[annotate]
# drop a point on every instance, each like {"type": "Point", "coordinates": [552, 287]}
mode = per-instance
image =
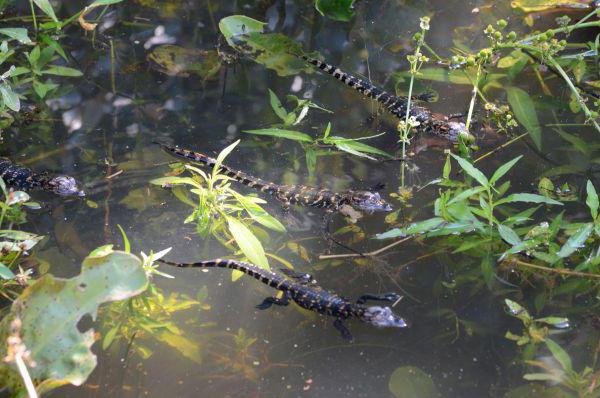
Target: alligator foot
{"type": "Point", "coordinates": [391, 297]}
{"type": "Point", "coordinates": [339, 325]}
{"type": "Point", "coordinates": [269, 301]}
{"type": "Point", "coordinates": [305, 279]}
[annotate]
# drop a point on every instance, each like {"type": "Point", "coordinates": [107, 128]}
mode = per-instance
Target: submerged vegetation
{"type": "Point", "coordinates": [493, 250]}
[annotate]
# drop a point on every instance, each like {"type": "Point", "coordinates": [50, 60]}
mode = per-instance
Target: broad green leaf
{"type": "Point", "coordinates": [10, 98]}
{"type": "Point", "coordinates": [51, 332]}
{"type": "Point", "coordinates": [524, 109]}
{"type": "Point", "coordinates": [62, 71]}
{"type": "Point", "coordinates": [576, 241]}
{"type": "Point", "coordinates": [528, 198]}
{"type": "Point", "coordinates": [412, 382]}
{"type": "Point", "coordinates": [5, 272]}
{"type": "Point", "coordinates": [338, 10]}
{"type": "Point", "coordinates": [509, 235]}
{"type": "Point", "coordinates": [505, 168]}
{"type": "Point", "coordinates": [545, 5]}
{"type": "Point", "coordinates": [248, 243]}
{"type": "Point", "coordinates": [237, 25]}
{"type": "Point", "coordinates": [279, 133]}
{"type": "Point", "coordinates": [592, 199]}
{"type": "Point", "coordinates": [19, 34]}
{"type": "Point", "coordinates": [277, 107]}
{"type": "Point", "coordinates": [45, 6]}
{"type": "Point", "coordinates": [472, 171]}
{"type": "Point", "coordinates": [559, 354]}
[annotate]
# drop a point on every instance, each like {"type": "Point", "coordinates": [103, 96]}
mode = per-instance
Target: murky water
{"type": "Point", "coordinates": [456, 335]}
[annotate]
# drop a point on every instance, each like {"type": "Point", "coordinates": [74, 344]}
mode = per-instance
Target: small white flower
{"type": "Point", "coordinates": [425, 23]}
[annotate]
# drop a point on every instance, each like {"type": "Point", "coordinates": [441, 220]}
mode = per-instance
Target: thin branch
{"type": "Point", "coordinates": [560, 271]}
{"type": "Point", "coordinates": [370, 254]}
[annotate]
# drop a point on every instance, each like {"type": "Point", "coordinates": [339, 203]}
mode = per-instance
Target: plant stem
{"type": "Point", "coordinates": [25, 376]}
{"type": "Point", "coordinates": [560, 271]}
{"type": "Point", "coordinates": [370, 254]}
{"type": "Point", "coordinates": [473, 98]}
{"type": "Point", "coordinates": [35, 26]}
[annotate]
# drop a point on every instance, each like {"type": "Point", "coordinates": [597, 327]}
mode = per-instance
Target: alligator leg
{"type": "Point", "coordinates": [391, 297]}
{"type": "Point", "coordinates": [301, 277]}
{"type": "Point", "coordinates": [269, 301]}
{"type": "Point", "coordinates": [339, 325]}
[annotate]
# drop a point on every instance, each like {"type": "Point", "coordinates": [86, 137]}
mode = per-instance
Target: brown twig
{"type": "Point", "coordinates": [370, 254]}
{"type": "Point", "coordinates": [560, 271]}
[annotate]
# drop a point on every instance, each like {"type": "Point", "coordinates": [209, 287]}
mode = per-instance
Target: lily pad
{"type": "Point", "coordinates": [180, 61]}
{"type": "Point", "coordinates": [51, 308]}
{"type": "Point", "coordinates": [273, 50]}
{"type": "Point", "coordinates": [409, 381]}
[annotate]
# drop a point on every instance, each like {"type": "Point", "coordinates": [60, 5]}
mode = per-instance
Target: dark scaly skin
{"type": "Point", "coordinates": [23, 178]}
{"type": "Point", "coordinates": [291, 194]}
{"type": "Point", "coordinates": [433, 123]}
{"type": "Point", "coordinates": [303, 290]}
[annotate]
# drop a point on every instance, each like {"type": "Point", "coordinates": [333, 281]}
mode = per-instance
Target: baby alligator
{"type": "Point", "coordinates": [303, 290]}
{"type": "Point", "coordinates": [292, 194]}
{"type": "Point", "coordinates": [25, 179]}
{"type": "Point", "coordinates": [433, 123]}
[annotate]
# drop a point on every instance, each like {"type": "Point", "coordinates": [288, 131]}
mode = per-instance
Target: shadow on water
{"type": "Point", "coordinates": [201, 334]}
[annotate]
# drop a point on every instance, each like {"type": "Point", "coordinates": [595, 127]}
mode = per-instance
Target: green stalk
{"type": "Point", "coordinates": [35, 26]}
{"type": "Point", "coordinates": [473, 98]}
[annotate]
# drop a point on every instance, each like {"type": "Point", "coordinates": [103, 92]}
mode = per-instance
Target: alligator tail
{"type": "Point", "coordinates": [210, 162]}
{"type": "Point", "coordinates": [393, 103]}
{"type": "Point", "coordinates": [266, 277]}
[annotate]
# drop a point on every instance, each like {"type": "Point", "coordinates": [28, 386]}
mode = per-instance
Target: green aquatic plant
{"type": "Point", "coordinates": [220, 211]}
{"type": "Point", "coordinates": [537, 331]}
{"type": "Point", "coordinates": [296, 115]}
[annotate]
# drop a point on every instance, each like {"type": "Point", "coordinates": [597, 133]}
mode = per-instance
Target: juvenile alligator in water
{"type": "Point", "coordinates": [24, 178]}
{"type": "Point", "coordinates": [430, 122]}
{"type": "Point", "coordinates": [291, 194]}
{"type": "Point", "coordinates": [303, 290]}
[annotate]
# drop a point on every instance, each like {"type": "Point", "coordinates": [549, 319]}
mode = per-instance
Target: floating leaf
{"type": "Point", "coordinates": [338, 10]}
{"type": "Point", "coordinates": [51, 332]}
{"type": "Point", "coordinates": [410, 382]}
{"type": "Point", "coordinates": [175, 60]}
{"type": "Point", "coordinates": [545, 5]}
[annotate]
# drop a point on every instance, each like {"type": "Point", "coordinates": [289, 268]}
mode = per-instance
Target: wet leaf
{"type": "Point", "coordinates": [11, 100]}
{"type": "Point", "coordinates": [576, 241]}
{"type": "Point", "coordinates": [509, 235]}
{"type": "Point", "coordinates": [277, 107]}
{"type": "Point", "coordinates": [50, 331]}
{"type": "Point", "coordinates": [19, 34]}
{"type": "Point", "coordinates": [356, 148]}
{"type": "Point", "coordinates": [505, 168]}
{"type": "Point", "coordinates": [524, 109]}
{"type": "Point", "coordinates": [527, 198]}
{"type": "Point", "coordinates": [279, 133]}
{"type": "Point", "coordinates": [420, 227]}
{"type": "Point", "coordinates": [338, 10]}
{"type": "Point", "coordinates": [410, 382]}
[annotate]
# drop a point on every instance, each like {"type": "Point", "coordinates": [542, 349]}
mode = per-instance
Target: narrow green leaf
{"type": "Point", "coordinates": [277, 107]}
{"type": "Point", "coordinates": [559, 354]}
{"type": "Point", "coordinates": [126, 244]}
{"type": "Point", "coordinates": [576, 241]}
{"type": "Point", "coordinates": [524, 109]}
{"type": "Point", "coordinates": [542, 377]}
{"type": "Point", "coordinates": [62, 71]}
{"type": "Point", "coordinates": [45, 6]}
{"type": "Point", "coordinates": [417, 228]}
{"type": "Point", "coordinates": [592, 199]}
{"type": "Point", "coordinates": [466, 194]}
{"type": "Point", "coordinates": [504, 169]}
{"type": "Point", "coordinates": [527, 198]}
{"type": "Point", "coordinates": [279, 133]}
{"type": "Point", "coordinates": [248, 243]}
{"type": "Point", "coordinates": [99, 3]}
{"type": "Point", "coordinates": [109, 337]}
{"type": "Point", "coordinates": [222, 155]}
{"type": "Point", "coordinates": [472, 171]}
{"type": "Point", "coordinates": [348, 145]}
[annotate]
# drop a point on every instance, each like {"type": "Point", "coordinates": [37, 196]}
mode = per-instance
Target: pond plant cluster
{"type": "Point", "coordinates": [534, 248]}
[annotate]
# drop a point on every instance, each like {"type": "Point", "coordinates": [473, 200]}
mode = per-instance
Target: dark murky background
{"type": "Point", "coordinates": [296, 353]}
